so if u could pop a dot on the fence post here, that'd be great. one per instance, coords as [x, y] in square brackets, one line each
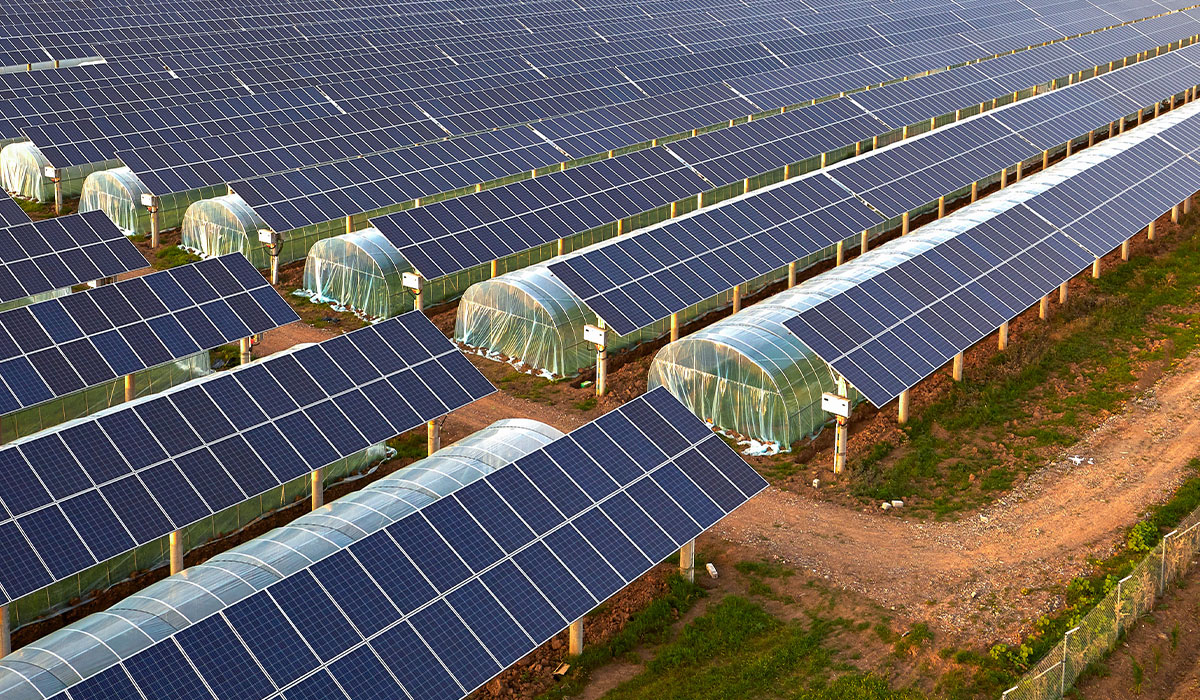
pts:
[1062, 686]
[1162, 575]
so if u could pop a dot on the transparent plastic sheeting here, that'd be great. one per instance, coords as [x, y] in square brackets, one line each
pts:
[530, 317]
[360, 271]
[23, 173]
[750, 375]
[226, 224]
[97, 642]
[118, 193]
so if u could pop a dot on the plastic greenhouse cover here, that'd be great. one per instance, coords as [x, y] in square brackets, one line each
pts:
[175, 602]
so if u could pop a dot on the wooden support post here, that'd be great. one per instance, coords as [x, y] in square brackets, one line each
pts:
[244, 355]
[941, 206]
[1002, 340]
[1125, 249]
[175, 541]
[737, 298]
[1150, 230]
[575, 638]
[840, 255]
[5, 632]
[130, 388]
[904, 224]
[1096, 269]
[956, 371]
[687, 560]
[317, 479]
[791, 275]
[1044, 307]
[1062, 293]
[433, 437]
[674, 327]
[902, 411]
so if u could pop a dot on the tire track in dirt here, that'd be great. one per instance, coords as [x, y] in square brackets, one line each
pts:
[983, 575]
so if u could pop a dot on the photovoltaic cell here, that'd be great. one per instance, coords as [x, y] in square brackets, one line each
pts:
[56, 347]
[445, 645]
[133, 473]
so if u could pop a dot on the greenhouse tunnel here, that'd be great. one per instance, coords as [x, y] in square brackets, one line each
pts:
[97, 642]
[227, 224]
[748, 374]
[530, 318]
[23, 173]
[363, 272]
[118, 193]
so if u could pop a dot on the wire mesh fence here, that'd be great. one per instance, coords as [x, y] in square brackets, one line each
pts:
[1097, 633]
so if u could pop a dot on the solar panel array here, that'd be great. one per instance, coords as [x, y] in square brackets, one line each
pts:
[45, 255]
[631, 284]
[893, 330]
[84, 492]
[57, 347]
[444, 599]
[447, 238]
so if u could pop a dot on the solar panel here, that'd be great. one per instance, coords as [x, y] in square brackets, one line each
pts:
[917, 171]
[89, 490]
[645, 277]
[57, 253]
[892, 330]
[469, 584]
[61, 346]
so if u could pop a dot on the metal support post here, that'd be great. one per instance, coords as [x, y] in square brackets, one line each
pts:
[433, 437]
[1096, 269]
[1150, 230]
[1125, 249]
[1004, 178]
[737, 298]
[956, 370]
[1175, 214]
[1045, 159]
[687, 560]
[58, 195]
[244, 355]
[492, 269]
[941, 206]
[130, 388]
[1043, 307]
[791, 275]
[674, 327]
[862, 246]
[1062, 293]
[904, 224]
[318, 487]
[575, 638]
[175, 539]
[1002, 341]
[840, 255]
[974, 191]
[5, 633]
[154, 226]
[601, 361]
[902, 413]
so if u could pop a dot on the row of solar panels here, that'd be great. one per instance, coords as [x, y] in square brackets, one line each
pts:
[294, 199]
[397, 78]
[435, 604]
[647, 276]
[894, 329]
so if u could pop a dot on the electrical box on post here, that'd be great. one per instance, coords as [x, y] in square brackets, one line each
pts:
[595, 335]
[837, 405]
[411, 280]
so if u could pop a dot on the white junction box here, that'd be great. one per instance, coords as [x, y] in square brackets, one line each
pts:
[837, 405]
[593, 334]
[411, 280]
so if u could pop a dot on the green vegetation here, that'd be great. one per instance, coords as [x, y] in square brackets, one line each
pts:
[949, 458]
[738, 650]
[225, 356]
[173, 256]
[649, 625]
[411, 445]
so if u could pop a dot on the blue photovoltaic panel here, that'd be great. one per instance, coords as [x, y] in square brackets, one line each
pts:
[60, 346]
[644, 277]
[662, 477]
[55, 253]
[84, 492]
[892, 330]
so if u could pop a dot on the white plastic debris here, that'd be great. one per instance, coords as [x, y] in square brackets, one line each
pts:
[897, 503]
[712, 570]
[816, 483]
[759, 449]
[885, 505]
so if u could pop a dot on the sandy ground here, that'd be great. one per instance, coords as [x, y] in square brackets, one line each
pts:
[968, 578]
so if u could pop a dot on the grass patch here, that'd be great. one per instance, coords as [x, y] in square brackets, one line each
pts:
[648, 625]
[411, 445]
[173, 256]
[225, 356]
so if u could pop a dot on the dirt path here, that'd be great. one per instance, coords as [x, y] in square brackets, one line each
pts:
[981, 576]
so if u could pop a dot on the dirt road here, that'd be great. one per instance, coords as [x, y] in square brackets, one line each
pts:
[983, 575]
